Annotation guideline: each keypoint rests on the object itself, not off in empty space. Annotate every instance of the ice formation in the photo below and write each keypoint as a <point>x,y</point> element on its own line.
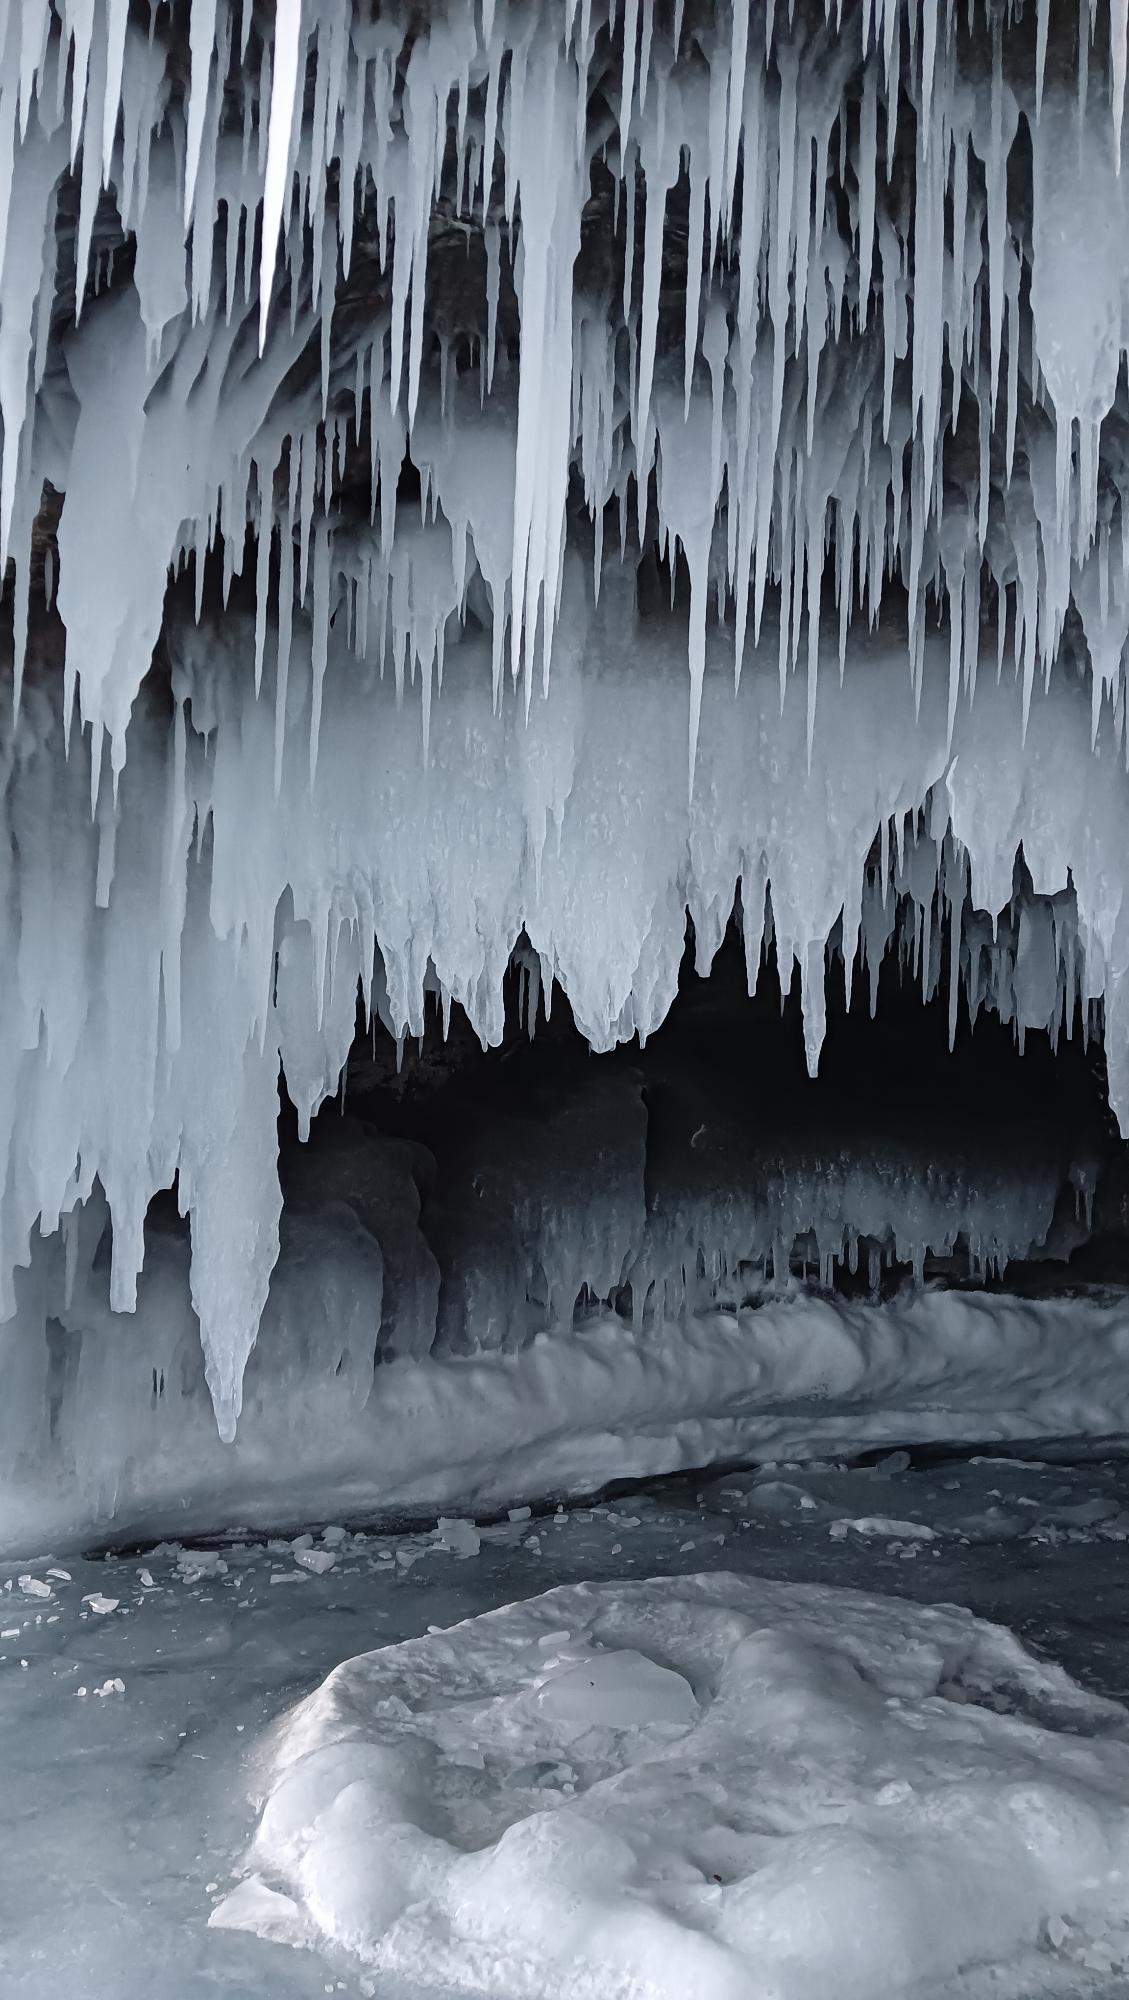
<point>368,386</point>
<point>694,1784</point>
<point>107,1430</point>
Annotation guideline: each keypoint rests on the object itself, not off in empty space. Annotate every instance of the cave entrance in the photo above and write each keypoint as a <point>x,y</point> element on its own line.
<point>705,1169</point>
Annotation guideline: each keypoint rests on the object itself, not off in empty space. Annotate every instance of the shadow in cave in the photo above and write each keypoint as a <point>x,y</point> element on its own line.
<point>905,1159</point>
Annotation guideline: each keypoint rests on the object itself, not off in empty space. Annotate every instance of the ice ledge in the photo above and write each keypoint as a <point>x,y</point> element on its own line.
<point>792,1378</point>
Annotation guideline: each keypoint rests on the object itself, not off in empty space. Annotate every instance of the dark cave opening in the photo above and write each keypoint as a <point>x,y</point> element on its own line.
<point>718,1119</point>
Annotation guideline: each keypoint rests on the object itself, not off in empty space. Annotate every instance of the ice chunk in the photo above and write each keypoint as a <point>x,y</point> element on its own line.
<point>880,1525</point>
<point>461,1537</point>
<point>253,1906</point>
<point>319,1561</point>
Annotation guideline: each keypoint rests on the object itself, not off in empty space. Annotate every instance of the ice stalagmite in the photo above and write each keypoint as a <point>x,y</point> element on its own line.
<point>513,472</point>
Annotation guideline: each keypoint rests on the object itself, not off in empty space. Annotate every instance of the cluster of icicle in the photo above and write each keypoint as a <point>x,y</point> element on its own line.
<point>867,402</point>
<point>167,954</point>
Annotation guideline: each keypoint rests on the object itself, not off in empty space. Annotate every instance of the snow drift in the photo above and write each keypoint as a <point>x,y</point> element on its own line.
<point>112,1435</point>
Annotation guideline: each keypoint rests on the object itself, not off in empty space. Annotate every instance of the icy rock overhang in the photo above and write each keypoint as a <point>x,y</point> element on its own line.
<point>434,346</point>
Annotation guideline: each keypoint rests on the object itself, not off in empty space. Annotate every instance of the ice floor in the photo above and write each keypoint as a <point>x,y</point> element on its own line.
<point>135,1689</point>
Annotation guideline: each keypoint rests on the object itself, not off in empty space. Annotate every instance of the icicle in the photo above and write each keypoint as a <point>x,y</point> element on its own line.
<point>282,668</point>
<point>1118,29</point>
<point>493,241</point>
<point>284,91</point>
<point>694,254</point>
<point>867,173</point>
<point>90,174</point>
<point>321,581</point>
<point>262,567</point>
<point>116,16</point>
<point>201,45</point>
<point>630,51</point>
<point>1043,17</point>
<point>653,227</point>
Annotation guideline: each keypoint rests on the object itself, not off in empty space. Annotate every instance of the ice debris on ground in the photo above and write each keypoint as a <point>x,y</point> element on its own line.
<point>751,1766</point>
<point>843,373</point>
<point>880,1526</point>
<point>942,1502</point>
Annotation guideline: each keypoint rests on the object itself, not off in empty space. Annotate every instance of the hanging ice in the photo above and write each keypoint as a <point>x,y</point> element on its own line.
<point>346,363</point>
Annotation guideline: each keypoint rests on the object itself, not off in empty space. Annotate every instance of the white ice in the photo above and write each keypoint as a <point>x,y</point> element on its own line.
<point>885,455</point>
<point>710,1784</point>
<point>123,1442</point>
<point>237,940</point>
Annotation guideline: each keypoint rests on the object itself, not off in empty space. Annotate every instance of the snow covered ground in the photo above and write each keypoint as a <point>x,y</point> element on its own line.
<point>129,1808</point>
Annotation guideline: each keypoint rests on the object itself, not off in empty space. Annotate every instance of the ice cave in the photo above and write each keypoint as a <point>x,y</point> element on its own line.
<point>564,999</point>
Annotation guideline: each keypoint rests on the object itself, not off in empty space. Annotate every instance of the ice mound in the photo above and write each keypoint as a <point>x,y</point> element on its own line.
<point>711,1785</point>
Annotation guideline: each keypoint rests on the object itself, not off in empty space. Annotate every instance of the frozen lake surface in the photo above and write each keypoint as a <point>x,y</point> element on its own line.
<point>128,1809</point>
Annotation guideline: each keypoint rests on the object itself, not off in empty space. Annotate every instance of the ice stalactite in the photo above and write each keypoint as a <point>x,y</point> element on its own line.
<point>433,351</point>
<point>265,908</point>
